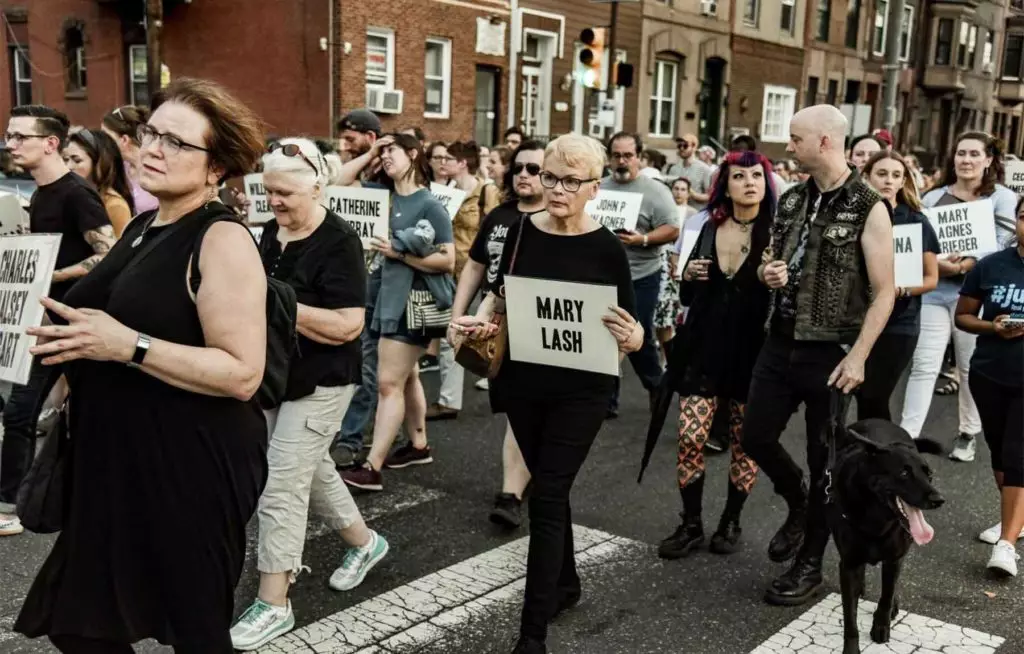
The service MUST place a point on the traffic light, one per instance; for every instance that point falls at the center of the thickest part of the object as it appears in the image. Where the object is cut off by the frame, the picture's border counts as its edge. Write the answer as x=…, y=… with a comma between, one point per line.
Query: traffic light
x=592, y=57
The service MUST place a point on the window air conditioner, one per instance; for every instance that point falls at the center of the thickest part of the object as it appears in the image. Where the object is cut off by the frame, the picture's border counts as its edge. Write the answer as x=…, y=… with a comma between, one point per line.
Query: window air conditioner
x=987, y=68
x=384, y=101
x=709, y=7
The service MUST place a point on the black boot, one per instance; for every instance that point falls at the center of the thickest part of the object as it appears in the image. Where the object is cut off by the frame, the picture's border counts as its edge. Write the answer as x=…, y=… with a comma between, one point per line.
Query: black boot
x=790, y=536
x=798, y=585
x=529, y=646
x=690, y=535
x=726, y=538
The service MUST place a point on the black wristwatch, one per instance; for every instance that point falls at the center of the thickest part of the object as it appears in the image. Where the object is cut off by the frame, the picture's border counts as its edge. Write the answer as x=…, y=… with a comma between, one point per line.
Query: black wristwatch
x=141, y=349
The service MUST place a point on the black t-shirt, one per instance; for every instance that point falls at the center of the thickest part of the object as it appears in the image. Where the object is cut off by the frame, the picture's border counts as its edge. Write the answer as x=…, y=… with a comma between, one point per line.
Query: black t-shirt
x=70, y=207
x=906, y=312
x=490, y=240
x=998, y=281
x=593, y=258
x=326, y=270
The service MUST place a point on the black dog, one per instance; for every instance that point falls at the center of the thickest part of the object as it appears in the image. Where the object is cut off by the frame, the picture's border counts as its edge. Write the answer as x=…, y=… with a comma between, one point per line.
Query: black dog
x=878, y=486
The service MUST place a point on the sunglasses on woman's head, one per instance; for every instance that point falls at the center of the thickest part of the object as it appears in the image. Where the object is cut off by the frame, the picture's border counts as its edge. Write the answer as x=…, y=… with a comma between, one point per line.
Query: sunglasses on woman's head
x=293, y=150
x=531, y=168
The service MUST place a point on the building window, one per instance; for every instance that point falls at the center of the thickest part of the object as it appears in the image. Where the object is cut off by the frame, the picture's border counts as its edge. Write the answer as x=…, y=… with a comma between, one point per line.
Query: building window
x=776, y=113
x=663, y=99
x=852, y=23
x=380, y=58
x=986, y=51
x=852, y=91
x=906, y=29
x=751, y=12
x=824, y=17
x=972, y=46
x=944, y=42
x=787, y=16
x=881, y=27
x=1012, y=55
x=74, y=58
x=437, y=73
x=961, y=50
x=21, y=76
x=812, y=92
x=138, y=75
x=833, y=92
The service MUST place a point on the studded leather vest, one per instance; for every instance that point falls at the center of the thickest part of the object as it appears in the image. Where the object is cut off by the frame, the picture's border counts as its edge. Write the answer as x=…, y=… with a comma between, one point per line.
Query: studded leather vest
x=834, y=292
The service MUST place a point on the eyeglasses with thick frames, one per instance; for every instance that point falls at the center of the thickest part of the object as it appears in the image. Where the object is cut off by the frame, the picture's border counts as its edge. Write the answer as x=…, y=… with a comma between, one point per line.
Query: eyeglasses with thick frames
x=569, y=183
x=169, y=143
x=442, y=159
x=293, y=150
x=531, y=169
x=15, y=137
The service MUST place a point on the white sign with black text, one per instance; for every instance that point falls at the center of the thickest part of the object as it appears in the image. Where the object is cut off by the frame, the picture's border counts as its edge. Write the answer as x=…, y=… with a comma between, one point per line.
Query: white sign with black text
x=13, y=219
x=1014, y=177
x=559, y=324
x=690, y=237
x=968, y=228
x=451, y=197
x=616, y=210
x=365, y=209
x=26, y=269
x=908, y=255
x=259, y=205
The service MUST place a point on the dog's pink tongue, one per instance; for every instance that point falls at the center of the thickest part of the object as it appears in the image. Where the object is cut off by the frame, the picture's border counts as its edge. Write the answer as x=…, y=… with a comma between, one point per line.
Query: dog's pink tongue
x=920, y=530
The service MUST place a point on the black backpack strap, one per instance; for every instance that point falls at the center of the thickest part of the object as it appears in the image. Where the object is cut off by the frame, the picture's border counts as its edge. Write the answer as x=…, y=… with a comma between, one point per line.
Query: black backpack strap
x=707, y=244
x=195, y=277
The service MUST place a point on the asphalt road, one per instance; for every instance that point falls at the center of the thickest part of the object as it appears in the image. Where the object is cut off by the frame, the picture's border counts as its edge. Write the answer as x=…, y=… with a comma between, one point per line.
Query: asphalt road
x=435, y=518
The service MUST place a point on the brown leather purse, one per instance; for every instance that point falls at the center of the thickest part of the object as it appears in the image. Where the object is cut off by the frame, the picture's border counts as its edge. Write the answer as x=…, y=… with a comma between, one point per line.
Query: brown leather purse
x=483, y=356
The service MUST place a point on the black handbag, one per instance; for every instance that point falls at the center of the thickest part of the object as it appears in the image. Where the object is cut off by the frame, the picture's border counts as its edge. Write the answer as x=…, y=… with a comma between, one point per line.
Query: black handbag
x=43, y=494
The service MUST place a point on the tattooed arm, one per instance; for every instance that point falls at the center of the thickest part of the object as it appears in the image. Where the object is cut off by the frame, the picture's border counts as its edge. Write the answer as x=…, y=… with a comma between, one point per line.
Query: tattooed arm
x=100, y=240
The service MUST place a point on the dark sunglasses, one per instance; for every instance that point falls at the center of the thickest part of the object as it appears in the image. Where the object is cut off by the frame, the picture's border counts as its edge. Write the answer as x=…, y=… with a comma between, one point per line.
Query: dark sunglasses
x=531, y=168
x=293, y=150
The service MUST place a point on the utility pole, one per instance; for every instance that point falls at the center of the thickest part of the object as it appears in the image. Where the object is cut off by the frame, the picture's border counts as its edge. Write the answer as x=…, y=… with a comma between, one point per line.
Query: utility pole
x=154, y=26
x=891, y=68
x=609, y=92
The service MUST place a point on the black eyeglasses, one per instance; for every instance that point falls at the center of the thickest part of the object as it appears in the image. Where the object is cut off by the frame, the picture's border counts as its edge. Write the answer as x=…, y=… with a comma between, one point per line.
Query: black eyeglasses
x=293, y=150
x=569, y=183
x=169, y=143
x=531, y=168
x=11, y=137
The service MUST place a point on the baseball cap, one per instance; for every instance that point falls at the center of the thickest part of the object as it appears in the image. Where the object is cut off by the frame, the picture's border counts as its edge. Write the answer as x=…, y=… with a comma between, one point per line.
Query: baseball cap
x=884, y=136
x=360, y=120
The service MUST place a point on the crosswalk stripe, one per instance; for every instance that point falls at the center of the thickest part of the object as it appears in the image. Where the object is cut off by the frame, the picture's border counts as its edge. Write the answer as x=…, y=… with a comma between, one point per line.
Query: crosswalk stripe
x=820, y=630
x=435, y=606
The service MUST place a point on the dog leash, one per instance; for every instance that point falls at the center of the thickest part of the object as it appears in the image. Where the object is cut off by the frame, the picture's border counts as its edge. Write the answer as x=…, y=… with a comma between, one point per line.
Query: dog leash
x=838, y=405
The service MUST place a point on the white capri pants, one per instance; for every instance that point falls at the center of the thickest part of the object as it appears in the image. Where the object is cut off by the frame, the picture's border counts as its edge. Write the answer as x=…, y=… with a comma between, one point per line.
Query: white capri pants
x=302, y=473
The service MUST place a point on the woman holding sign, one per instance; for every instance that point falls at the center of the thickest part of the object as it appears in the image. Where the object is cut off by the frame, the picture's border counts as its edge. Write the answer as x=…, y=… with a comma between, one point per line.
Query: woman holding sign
x=888, y=173
x=418, y=260
x=713, y=356
x=556, y=412
x=973, y=172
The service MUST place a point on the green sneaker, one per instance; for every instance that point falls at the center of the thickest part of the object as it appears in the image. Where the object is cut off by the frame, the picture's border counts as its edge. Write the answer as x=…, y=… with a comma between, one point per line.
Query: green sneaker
x=357, y=562
x=260, y=624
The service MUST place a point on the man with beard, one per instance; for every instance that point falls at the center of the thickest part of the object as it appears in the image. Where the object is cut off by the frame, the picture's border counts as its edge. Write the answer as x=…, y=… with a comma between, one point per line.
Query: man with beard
x=358, y=131
x=830, y=268
x=657, y=226
x=693, y=169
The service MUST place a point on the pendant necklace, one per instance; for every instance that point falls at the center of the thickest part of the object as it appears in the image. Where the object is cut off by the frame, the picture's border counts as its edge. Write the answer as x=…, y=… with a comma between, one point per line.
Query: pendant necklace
x=138, y=239
x=745, y=228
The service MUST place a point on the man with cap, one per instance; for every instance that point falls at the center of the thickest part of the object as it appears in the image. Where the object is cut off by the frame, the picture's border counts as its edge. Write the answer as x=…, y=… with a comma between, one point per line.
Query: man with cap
x=693, y=169
x=358, y=131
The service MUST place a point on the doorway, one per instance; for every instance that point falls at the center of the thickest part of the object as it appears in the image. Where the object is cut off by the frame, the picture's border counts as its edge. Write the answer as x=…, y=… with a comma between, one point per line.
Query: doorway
x=711, y=95
x=536, y=81
x=488, y=102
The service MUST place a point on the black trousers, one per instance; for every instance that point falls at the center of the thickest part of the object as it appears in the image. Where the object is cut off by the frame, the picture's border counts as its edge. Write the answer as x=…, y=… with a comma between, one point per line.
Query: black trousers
x=20, y=417
x=789, y=373
x=1001, y=409
x=889, y=358
x=554, y=436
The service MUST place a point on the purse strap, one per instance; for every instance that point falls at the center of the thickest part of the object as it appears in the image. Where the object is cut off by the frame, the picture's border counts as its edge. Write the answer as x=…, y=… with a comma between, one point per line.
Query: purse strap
x=515, y=252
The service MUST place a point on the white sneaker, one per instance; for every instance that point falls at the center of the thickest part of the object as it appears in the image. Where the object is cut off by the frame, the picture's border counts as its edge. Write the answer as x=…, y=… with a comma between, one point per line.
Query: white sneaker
x=10, y=525
x=482, y=384
x=260, y=624
x=994, y=533
x=964, y=448
x=358, y=561
x=1004, y=558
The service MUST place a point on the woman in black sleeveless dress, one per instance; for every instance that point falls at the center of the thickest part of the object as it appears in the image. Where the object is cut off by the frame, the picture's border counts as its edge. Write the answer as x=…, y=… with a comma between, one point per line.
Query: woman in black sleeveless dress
x=168, y=456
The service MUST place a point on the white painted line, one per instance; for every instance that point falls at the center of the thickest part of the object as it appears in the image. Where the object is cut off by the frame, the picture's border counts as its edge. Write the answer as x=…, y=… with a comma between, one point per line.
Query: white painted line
x=438, y=605
x=820, y=631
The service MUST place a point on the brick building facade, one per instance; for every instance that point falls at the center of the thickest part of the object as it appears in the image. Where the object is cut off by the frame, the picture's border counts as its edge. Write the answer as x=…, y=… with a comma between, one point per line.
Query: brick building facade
x=761, y=70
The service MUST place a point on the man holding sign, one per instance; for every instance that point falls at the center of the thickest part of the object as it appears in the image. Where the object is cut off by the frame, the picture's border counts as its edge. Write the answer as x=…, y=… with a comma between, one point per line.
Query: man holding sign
x=657, y=225
x=64, y=204
x=572, y=304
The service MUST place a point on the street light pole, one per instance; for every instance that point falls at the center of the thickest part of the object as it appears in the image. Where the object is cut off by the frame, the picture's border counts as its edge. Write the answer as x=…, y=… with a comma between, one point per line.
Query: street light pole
x=891, y=68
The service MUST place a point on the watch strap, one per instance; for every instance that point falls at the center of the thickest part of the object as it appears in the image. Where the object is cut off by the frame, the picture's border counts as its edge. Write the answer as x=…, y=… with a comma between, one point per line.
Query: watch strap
x=141, y=350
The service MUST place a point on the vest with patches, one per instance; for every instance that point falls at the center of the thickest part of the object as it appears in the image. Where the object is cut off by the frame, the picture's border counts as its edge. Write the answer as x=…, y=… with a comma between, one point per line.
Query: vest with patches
x=834, y=292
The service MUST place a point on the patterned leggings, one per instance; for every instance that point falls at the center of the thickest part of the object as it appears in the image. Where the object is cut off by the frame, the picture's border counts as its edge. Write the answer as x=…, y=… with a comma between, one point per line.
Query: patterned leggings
x=695, y=416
